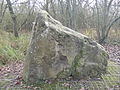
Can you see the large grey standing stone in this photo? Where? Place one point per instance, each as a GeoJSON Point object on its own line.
{"type": "Point", "coordinates": [56, 51]}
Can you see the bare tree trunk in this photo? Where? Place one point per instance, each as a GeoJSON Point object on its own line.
{"type": "Point", "coordinates": [46, 7]}
{"type": "Point", "coordinates": [60, 2]}
{"type": "Point", "coordinates": [98, 22]}
{"type": "Point", "coordinates": [15, 31]}
{"type": "Point", "coordinates": [53, 8]}
{"type": "Point", "coordinates": [108, 29]}
{"type": "Point", "coordinates": [68, 14]}
{"type": "Point", "coordinates": [104, 22]}
{"type": "Point", "coordinates": [74, 14]}
{"type": "Point", "coordinates": [2, 11]}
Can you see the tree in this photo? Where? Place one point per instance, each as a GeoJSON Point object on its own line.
{"type": "Point", "coordinates": [3, 8]}
{"type": "Point", "coordinates": [13, 16]}
{"type": "Point", "coordinates": [99, 15]}
{"type": "Point", "coordinates": [105, 19]}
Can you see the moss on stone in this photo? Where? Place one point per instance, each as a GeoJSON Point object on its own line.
{"type": "Point", "coordinates": [76, 63]}
{"type": "Point", "coordinates": [54, 48]}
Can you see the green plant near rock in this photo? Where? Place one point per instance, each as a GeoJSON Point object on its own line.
{"type": "Point", "coordinates": [108, 81]}
{"type": "Point", "coordinates": [11, 48]}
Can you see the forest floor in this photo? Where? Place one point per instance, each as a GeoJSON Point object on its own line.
{"type": "Point", "coordinates": [11, 76]}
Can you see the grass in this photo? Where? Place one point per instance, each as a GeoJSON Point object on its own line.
{"type": "Point", "coordinates": [109, 81]}
{"type": "Point", "coordinates": [11, 48]}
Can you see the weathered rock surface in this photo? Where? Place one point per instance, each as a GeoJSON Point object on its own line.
{"type": "Point", "coordinates": [56, 51]}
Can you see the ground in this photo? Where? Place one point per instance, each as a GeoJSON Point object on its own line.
{"type": "Point", "coordinates": [11, 76]}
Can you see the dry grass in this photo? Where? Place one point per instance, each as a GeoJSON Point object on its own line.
{"type": "Point", "coordinates": [12, 49]}
{"type": "Point", "coordinates": [113, 38]}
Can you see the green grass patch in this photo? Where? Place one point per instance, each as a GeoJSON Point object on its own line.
{"type": "Point", "coordinates": [112, 78]}
{"type": "Point", "coordinates": [11, 48]}
{"type": "Point", "coordinates": [108, 81]}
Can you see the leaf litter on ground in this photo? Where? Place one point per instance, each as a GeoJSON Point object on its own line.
{"type": "Point", "coordinates": [12, 72]}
